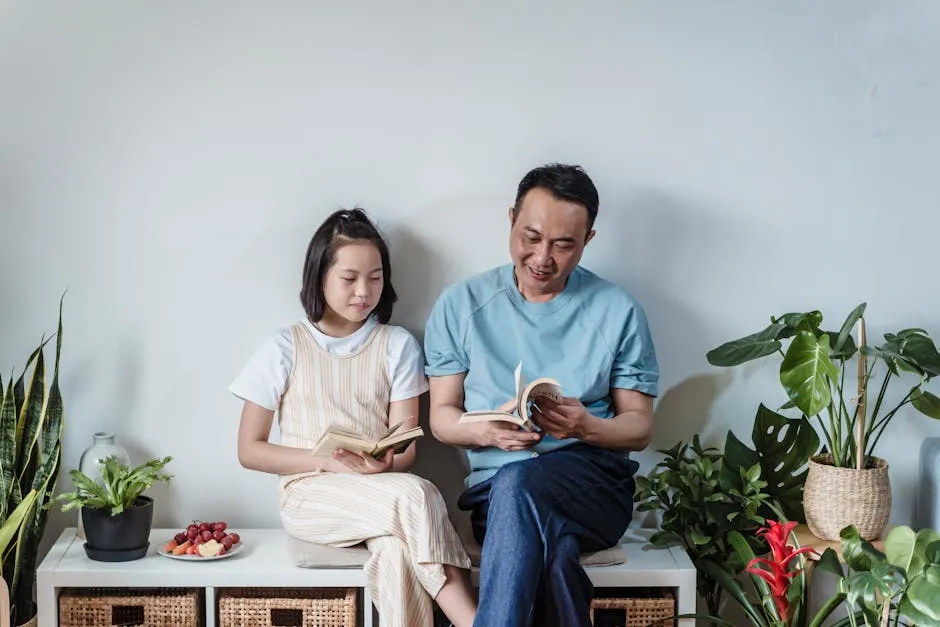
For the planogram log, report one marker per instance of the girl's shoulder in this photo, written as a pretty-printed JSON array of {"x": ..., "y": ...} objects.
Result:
[{"x": 400, "y": 339}]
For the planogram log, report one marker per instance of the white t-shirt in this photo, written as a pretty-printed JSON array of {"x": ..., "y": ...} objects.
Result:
[{"x": 264, "y": 378}]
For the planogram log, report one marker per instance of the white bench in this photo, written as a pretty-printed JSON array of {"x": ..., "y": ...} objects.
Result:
[{"x": 265, "y": 562}]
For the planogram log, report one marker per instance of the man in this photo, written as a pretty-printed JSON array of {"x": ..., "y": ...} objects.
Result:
[{"x": 540, "y": 499}]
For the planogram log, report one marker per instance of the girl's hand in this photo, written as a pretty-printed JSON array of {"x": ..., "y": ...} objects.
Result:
[{"x": 364, "y": 463}]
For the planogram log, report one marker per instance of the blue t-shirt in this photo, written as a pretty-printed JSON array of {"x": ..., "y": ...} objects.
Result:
[{"x": 591, "y": 337}]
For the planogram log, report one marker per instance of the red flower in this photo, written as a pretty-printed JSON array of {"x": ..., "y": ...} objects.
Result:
[{"x": 776, "y": 571}]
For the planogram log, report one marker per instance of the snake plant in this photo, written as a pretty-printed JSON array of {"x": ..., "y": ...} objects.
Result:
[{"x": 30, "y": 457}]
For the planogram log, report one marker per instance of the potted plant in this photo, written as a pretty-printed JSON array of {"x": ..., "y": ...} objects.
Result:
[
  {"x": 846, "y": 484},
  {"x": 30, "y": 454},
  {"x": 116, "y": 516},
  {"x": 700, "y": 505},
  {"x": 704, "y": 494},
  {"x": 897, "y": 587}
]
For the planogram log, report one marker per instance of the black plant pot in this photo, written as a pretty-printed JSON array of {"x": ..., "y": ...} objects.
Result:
[{"x": 118, "y": 538}]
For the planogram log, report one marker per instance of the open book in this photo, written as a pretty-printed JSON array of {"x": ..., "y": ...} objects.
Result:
[
  {"x": 339, "y": 438},
  {"x": 527, "y": 394}
]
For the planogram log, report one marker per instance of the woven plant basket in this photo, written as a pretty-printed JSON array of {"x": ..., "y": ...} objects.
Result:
[
  {"x": 303, "y": 607},
  {"x": 834, "y": 498},
  {"x": 636, "y": 607},
  {"x": 153, "y": 607}
]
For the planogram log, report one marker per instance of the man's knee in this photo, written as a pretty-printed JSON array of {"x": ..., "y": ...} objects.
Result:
[{"x": 518, "y": 480}]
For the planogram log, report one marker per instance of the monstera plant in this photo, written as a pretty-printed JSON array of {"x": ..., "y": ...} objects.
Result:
[{"x": 813, "y": 372}]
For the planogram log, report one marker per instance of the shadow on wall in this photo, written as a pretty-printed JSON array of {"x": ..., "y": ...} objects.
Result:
[
  {"x": 645, "y": 242},
  {"x": 414, "y": 274}
]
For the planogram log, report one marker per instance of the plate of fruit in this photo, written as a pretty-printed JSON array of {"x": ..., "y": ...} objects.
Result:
[{"x": 202, "y": 541}]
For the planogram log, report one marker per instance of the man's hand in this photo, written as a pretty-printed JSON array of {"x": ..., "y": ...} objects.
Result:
[
  {"x": 363, "y": 463},
  {"x": 505, "y": 435},
  {"x": 567, "y": 418}
]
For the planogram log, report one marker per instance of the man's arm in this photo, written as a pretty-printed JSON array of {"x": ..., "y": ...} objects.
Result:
[
  {"x": 447, "y": 407},
  {"x": 630, "y": 429}
]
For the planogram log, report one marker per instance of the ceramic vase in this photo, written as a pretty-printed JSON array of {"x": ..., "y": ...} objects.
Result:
[{"x": 102, "y": 447}]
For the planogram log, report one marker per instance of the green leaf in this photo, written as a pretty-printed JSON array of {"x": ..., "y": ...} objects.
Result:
[
  {"x": 848, "y": 349},
  {"x": 915, "y": 617},
  {"x": 795, "y": 322},
  {"x": 13, "y": 523},
  {"x": 806, "y": 371},
  {"x": 747, "y": 348},
  {"x": 924, "y": 597},
  {"x": 926, "y": 403},
  {"x": 845, "y": 333},
  {"x": 932, "y": 554},
  {"x": 859, "y": 554},
  {"x": 829, "y": 563},
  {"x": 866, "y": 587},
  {"x": 784, "y": 446},
  {"x": 828, "y": 608},
  {"x": 699, "y": 538},
  {"x": 907, "y": 549},
  {"x": 732, "y": 587},
  {"x": 918, "y": 349}
]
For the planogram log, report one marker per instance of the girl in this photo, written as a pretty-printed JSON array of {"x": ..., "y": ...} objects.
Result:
[{"x": 345, "y": 365}]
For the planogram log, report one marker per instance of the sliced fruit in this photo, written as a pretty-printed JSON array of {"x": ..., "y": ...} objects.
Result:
[{"x": 209, "y": 549}]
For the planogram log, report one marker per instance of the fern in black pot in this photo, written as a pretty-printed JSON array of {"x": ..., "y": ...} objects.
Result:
[{"x": 116, "y": 516}]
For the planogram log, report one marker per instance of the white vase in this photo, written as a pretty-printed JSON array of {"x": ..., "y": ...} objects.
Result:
[
  {"x": 92, "y": 459},
  {"x": 102, "y": 447}
]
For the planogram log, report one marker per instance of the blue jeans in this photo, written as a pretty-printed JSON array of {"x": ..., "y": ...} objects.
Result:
[{"x": 533, "y": 519}]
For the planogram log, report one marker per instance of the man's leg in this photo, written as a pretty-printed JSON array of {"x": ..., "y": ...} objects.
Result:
[{"x": 534, "y": 518}]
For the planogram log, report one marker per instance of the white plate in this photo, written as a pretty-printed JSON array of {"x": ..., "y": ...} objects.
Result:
[{"x": 235, "y": 550}]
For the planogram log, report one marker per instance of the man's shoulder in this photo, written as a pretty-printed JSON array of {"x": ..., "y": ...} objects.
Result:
[
  {"x": 474, "y": 291},
  {"x": 599, "y": 290}
]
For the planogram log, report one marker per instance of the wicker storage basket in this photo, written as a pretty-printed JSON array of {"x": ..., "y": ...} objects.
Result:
[
  {"x": 834, "y": 498},
  {"x": 299, "y": 607},
  {"x": 633, "y": 607},
  {"x": 152, "y": 607}
]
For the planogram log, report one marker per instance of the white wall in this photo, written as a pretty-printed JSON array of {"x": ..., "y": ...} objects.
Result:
[{"x": 168, "y": 162}]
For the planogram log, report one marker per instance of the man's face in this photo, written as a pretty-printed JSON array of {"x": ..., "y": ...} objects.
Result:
[{"x": 546, "y": 242}]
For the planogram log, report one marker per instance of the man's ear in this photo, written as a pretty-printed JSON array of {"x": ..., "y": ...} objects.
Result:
[
  {"x": 589, "y": 237},
  {"x": 512, "y": 216}
]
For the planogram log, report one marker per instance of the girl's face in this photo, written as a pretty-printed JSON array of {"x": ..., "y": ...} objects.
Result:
[{"x": 354, "y": 282}]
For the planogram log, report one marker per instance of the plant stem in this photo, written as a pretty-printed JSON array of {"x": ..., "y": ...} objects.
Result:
[
  {"x": 822, "y": 427},
  {"x": 884, "y": 423}
]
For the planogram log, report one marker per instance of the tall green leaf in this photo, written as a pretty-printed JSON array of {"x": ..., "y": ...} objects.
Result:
[
  {"x": 845, "y": 333},
  {"x": 11, "y": 525},
  {"x": 31, "y": 417},
  {"x": 747, "y": 348},
  {"x": 7, "y": 448},
  {"x": 806, "y": 371}
]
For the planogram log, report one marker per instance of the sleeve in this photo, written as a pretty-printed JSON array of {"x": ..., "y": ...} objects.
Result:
[
  {"x": 264, "y": 378},
  {"x": 635, "y": 365},
  {"x": 443, "y": 339},
  {"x": 406, "y": 365}
]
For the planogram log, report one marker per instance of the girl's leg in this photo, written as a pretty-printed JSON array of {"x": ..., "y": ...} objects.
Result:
[
  {"x": 393, "y": 583},
  {"x": 456, "y": 597},
  {"x": 343, "y": 509}
]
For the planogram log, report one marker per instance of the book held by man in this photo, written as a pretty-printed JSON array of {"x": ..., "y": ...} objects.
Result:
[
  {"x": 395, "y": 438},
  {"x": 527, "y": 395}
]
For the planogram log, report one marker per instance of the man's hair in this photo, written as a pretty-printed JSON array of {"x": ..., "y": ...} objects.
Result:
[
  {"x": 340, "y": 228},
  {"x": 564, "y": 182}
]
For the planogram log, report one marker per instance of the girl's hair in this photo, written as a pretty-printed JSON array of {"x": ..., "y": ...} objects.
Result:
[{"x": 340, "y": 228}]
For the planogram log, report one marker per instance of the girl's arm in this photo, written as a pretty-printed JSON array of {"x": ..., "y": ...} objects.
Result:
[
  {"x": 256, "y": 453},
  {"x": 405, "y": 412}
]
